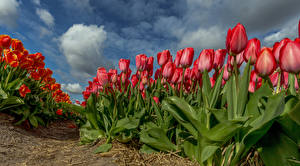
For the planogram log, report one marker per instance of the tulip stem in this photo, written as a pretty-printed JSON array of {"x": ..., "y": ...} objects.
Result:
[
  {"x": 236, "y": 74},
  {"x": 298, "y": 80},
  {"x": 278, "y": 82},
  {"x": 181, "y": 86}
]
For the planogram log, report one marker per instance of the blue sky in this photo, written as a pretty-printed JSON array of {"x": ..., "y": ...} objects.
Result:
[{"x": 78, "y": 36}]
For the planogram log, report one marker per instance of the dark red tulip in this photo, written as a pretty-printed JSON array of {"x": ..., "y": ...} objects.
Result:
[
  {"x": 266, "y": 63},
  {"x": 168, "y": 70},
  {"x": 178, "y": 57},
  {"x": 212, "y": 82},
  {"x": 163, "y": 57},
  {"x": 289, "y": 59},
  {"x": 236, "y": 40},
  {"x": 299, "y": 29},
  {"x": 134, "y": 80},
  {"x": 277, "y": 47},
  {"x": 297, "y": 40},
  {"x": 219, "y": 58},
  {"x": 186, "y": 59},
  {"x": 206, "y": 59},
  {"x": 141, "y": 61},
  {"x": 59, "y": 112},
  {"x": 5, "y": 41},
  {"x": 124, "y": 65},
  {"x": 150, "y": 66},
  {"x": 252, "y": 50}
]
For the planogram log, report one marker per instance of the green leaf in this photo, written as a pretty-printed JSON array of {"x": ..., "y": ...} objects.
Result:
[
  {"x": 3, "y": 95},
  {"x": 10, "y": 102},
  {"x": 231, "y": 95},
  {"x": 75, "y": 108},
  {"x": 90, "y": 111},
  {"x": 208, "y": 151},
  {"x": 156, "y": 138},
  {"x": 88, "y": 134},
  {"x": 295, "y": 113},
  {"x": 243, "y": 90},
  {"x": 292, "y": 88},
  {"x": 126, "y": 123},
  {"x": 190, "y": 149},
  {"x": 277, "y": 149},
  {"x": 15, "y": 85},
  {"x": 220, "y": 114},
  {"x": 215, "y": 93},
  {"x": 206, "y": 83},
  {"x": 26, "y": 113},
  {"x": 33, "y": 121},
  {"x": 147, "y": 149},
  {"x": 103, "y": 148}
]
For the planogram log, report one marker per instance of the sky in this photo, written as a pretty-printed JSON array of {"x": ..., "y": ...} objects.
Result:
[{"x": 78, "y": 36}]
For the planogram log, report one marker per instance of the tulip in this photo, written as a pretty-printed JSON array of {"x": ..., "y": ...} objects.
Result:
[
  {"x": 299, "y": 29},
  {"x": 168, "y": 70},
  {"x": 59, "y": 112},
  {"x": 289, "y": 59},
  {"x": 150, "y": 66},
  {"x": 266, "y": 63},
  {"x": 212, "y": 82},
  {"x": 156, "y": 99},
  {"x": 134, "y": 80},
  {"x": 236, "y": 40},
  {"x": 187, "y": 74},
  {"x": 252, "y": 50},
  {"x": 141, "y": 62},
  {"x": 252, "y": 85},
  {"x": 102, "y": 76},
  {"x": 163, "y": 57},
  {"x": 5, "y": 41},
  {"x": 178, "y": 57},
  {"x": 206, "y": 59},
  {"x": 254, "y": 77},
  {"x": 187, "y": 56},
  {"x": 277, "y": 47},
  {"x": 196, "y": 74},
  {"x": 157, "y": 74},
  {"x": 23, "y": 90},
  {"x": 297, "y": 40},
  {"x": 219, "y": 58},
  {"x": 124, "y": 65},
  {"x": 176, "y": 75},
  {"x": 17, "y": 45},
  {"x": 274, "y": 78},
  {"x": 239, "y": 60},
  {"x": 226, "y": 74}
]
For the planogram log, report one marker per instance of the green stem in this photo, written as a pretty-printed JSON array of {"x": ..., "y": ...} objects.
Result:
[
  {"x": 236, "y": 73},
  {"x": 278, "y": 82},
  {"x": 181, "y": 86},
  {"x": 298, "y": 80}
]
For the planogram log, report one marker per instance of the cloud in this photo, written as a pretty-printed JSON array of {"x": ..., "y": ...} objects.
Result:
[
  {"x": 82, "y": 45},
  {"x": 45, "y": 16},
  {"x": 9, "y": 13},
  {"x": 74, "y": 88},
  {"x": 36, "y": 2},
  {"x": 82, "y": 5}
]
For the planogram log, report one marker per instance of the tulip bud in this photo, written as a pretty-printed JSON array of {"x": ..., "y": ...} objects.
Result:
[
  {"x": 178, "y": 57},
  {"x": 299, "y": 29},
  {"x": 163, "y": 57},
  {"x": 289, "y": 59},
  {"x": 150, "y": 66},
  {"x": 252, "y": 50},
  {"x": 124, "y": 65},
  {"x": 141, "y": 61},
  {"x": 236, "y": 40},
  {"x": 277, "y": 47},
  {"x": 102, "y": 76},
  {"x": 17, "y": 45},
  {"x": 265, "y": 63},
  {"x": 176, "y": 75},
  {"x": 134, "y": 80},
  {"x": 144, "y": 80},
  {"x": 157, "y": 74},
  {"x": 5, "y": 41},
  {"x": 206, "y": 59},
  {"x": 239, "y": 61},
  {"x": 187, "y": 74},
  {"x": 274, "y": 78},
  {"x": 186, "y": 59},
  {"x": 254, "y": 77},
  {"x": 156, "y": 99},
  {"x": 168, "y": 70},
  {"x": 59, "y": 112},
  {"x": 219, "y": 58}
]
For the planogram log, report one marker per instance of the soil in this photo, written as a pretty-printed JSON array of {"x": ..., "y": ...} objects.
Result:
[{"x": 58, "y": 145}]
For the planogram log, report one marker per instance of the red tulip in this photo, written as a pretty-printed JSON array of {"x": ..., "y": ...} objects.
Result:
[
  {"x": 134, "y": 80},
  {"x": 289, "y": 59},
  {"x": 266, "y": 63},
  {"x": 299, "y": 29},
  {"x": 236, "y": 39},
  {"x": 297, "y": 40},
  {"x": 219, "y": 58},
  {"x": 187, "y": 74},
  {"x": 168, "y": 70},
  {"x": 178, "y": 57},
  {"x": 226, "y": 74},
  {"x": 150, "y": 66},
  {"x": 277, "y": 47},
  {"x": 206, "y": 59},
  {"x": 274, "y": 78},
  {"x": 196, "y": 74},
  {"x": 186, "y": 59},
  {"x": 163, "y": 57},
  {"x": 254, "y": 77},
  {"x": 59, "y": 112},
  {"x": 252, "y": 85},
  {"x": 212, "y": 82},
  {"x": 24, "y": 90},
  {"x": 124, "y": 65},
  {"x": 157, "y": 74},
  {"x": 252, "y": 50},
  {"x": 17, "y": 45},
  {"x": 176, "y": 75},
  {"x": 239, "y": 60},
  {"x": 141, "y": 61},
  {"x": 156, "y": 99},
  {"x": 5, "y": 41},
  {"x": 102, "y": 76}
]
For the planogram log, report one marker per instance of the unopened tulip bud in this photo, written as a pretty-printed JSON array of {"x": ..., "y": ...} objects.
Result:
[
  {"x": 289, "y": 59},
  {"x": 186, "y": 59},
  {"x": 236, "y": 40},
  {"x": 266, "y": 63}
]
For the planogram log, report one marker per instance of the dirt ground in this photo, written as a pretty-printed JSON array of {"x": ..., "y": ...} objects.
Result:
[{"x": 58, "y": 145}]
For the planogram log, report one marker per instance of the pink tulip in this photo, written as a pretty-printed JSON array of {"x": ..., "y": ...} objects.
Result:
[
  {"x": 156, "y": 99},
  {"x": 226, "y": 74},
  {"x": 277, "y": 47},
  {"x": 163, "y": 57},
  {"x": 150, "y": 66},
  {"x": 141, "y": 61},
  {"x": 178, "y": 57},
  {"x": 124, "y": 65},
  {"x": 176, "y": 75},
  {"x": 206, "y": 59},
  {"x": 266, "y": 63},
  {"x": 102, "y": 76},
  {"x": 236, "y": 39},
  {"x": 254, "y": 77},
  {"x": 219, "y": 58},
  {"x": 252, "y": 50},
  {"x": 274, "y": 78},
  {"x": 186, "y": 59},
  {"x": 239, "y": 60},
  {"x": 168, "y": 70},
  {"x": 289, "y": 59}
]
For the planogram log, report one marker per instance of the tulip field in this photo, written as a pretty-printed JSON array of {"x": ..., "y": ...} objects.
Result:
[{"x": 234, "y": 106}]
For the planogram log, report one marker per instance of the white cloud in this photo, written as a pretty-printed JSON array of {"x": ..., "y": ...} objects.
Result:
[
  {"x": 45, "y": 16},
  {"x": 288, "y": 30},
  {"x": 82, "y": 46},
  {"x": 37, "y": 2},
  {"x": 9, "y": 13},
  {"x": 72, "y": 88},
  {"x": 45, "y": 32},
  {"x": 82, "y": 5}
]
